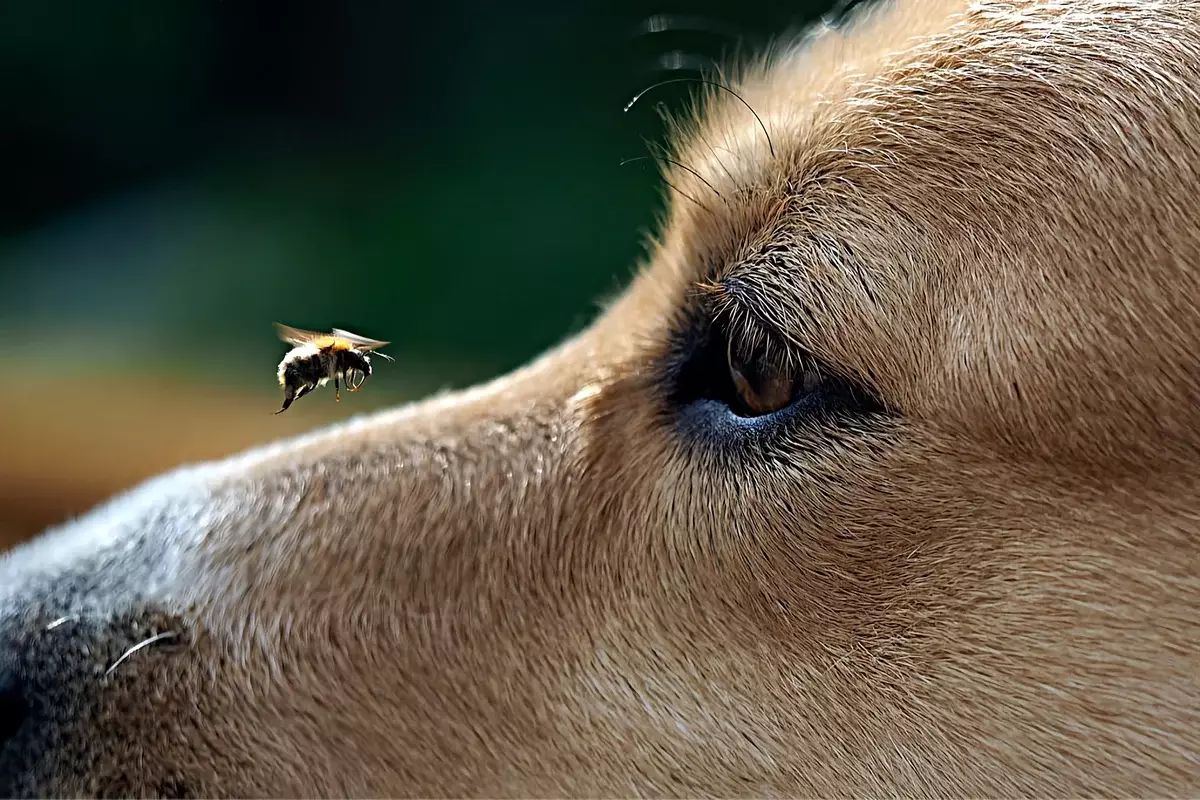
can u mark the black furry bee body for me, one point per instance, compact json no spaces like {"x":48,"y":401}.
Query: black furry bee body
{"x":317,"y":358}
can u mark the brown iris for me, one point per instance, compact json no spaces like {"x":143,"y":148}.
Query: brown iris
{"x":764,"y":384}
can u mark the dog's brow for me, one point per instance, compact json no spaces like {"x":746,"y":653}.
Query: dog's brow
{"x":791,"y":290}
{"x":742,"y":296}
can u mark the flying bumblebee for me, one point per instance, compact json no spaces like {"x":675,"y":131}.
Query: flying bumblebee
{"x":317,"y":358}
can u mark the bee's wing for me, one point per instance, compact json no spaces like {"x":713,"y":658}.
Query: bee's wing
{"x":359,"y":342}
{"x":296,"y":336}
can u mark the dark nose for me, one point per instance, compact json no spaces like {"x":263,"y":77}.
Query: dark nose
{"x":14,"y":713}
{"x":14,"y":709}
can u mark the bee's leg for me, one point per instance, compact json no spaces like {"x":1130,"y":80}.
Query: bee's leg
{"x":292,"y":395}
{"x":337,"y":390}
{"x":289,"y":396}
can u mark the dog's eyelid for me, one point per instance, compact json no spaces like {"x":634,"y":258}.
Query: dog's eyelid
{"x":752,"y":307}
{"x":750,"y":339}
{"x":750,"y":310}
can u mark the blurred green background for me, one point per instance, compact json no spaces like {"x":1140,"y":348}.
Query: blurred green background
{"x":180,"y":173}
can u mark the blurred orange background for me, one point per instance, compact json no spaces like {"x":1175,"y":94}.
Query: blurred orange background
{"x":70,"y":446}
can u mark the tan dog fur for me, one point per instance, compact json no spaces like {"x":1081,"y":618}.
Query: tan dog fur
{"x":984,"y":211}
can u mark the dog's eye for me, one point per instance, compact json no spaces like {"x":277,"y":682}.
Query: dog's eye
{"x":764,"y":382}
{"x":756,"y":378}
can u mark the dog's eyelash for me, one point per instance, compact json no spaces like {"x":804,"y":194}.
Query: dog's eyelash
{"x":751,"y":337}
{"x":737,"y":308}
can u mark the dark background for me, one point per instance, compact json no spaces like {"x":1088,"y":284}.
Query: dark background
{"x":177,"y":174}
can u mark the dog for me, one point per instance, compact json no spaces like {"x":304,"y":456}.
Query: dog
{"x":879,"y":479}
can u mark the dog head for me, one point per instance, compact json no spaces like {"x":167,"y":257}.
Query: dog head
{"x":879,"y":478}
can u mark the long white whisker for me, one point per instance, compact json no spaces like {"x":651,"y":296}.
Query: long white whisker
{"x":140,"y":645}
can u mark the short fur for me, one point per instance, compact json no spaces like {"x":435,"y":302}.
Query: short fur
{"x":547,"y":586}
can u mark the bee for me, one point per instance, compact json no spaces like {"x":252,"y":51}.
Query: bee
{"x":317,"y":358}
